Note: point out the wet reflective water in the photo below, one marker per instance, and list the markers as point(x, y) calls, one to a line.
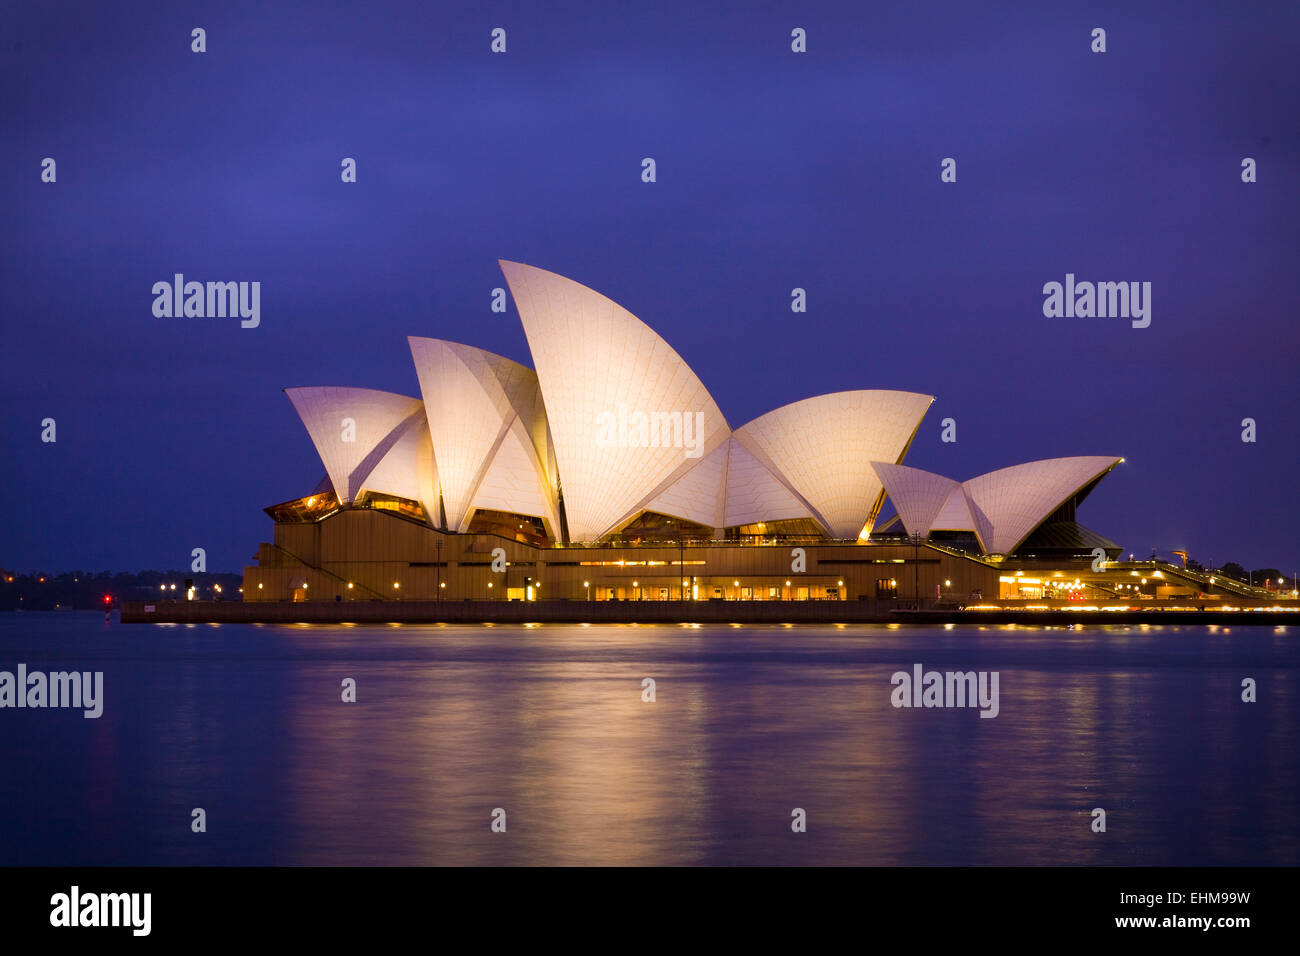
point(748, 724)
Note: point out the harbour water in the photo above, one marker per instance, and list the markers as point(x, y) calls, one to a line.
point(748, 725)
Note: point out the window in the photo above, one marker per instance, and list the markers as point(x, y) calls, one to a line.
point(886, 588)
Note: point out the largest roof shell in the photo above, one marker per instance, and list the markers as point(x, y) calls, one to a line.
point(597, 363)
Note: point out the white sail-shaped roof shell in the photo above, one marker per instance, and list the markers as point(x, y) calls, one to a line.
point(514, 481)
point(730, 487)
point(490, 433)
point(960, 513)
point(918, 496)
point(755, 494)
point(1018, 499)
point(352, 429)
point(488, 429)
point(823, 447)
point(697, 495)
point(596, 362)
point(407, 469)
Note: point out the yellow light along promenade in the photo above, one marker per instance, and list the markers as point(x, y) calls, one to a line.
point(700, 612)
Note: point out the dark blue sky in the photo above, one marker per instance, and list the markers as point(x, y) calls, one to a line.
point(775, 170)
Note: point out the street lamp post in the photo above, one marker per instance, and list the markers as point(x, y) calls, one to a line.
point(681, 562)
point(916, 568)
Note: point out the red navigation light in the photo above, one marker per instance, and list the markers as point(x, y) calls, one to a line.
point(108, 599)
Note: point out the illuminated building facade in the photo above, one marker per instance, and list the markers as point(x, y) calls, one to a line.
point(609, 472)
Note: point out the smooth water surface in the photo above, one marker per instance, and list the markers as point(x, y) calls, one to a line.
point(749, 723)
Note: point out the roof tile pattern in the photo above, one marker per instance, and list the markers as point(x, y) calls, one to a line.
point(597, 361)
point(1002, 507)
point(473, 400)
point(755, 494)
point(698, 494)
point(408, 469)
point(1018, 499)
point(352, 429)
point(490, 433)
point(824, 446)
point(919, 496)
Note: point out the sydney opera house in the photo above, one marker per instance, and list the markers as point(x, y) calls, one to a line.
point(608, 472)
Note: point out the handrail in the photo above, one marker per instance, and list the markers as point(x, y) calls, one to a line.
point(1203, 577)
point(337, 577)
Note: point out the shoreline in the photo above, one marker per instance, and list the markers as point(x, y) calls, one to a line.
point(665, 612)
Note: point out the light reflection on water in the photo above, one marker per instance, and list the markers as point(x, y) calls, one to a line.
point(749, 723)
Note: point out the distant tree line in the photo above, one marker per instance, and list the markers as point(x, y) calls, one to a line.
point(86, 590)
